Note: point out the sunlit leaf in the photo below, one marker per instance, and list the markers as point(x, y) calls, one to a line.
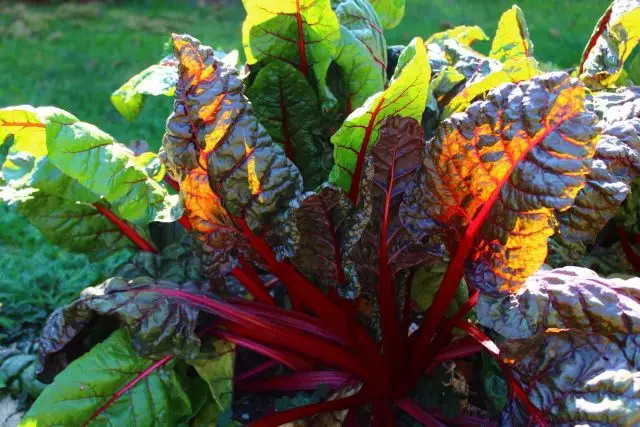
point(390, 12)
point(512, 41)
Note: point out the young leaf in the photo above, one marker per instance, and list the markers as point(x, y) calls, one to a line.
point(158, 324)
point(466, 35)
point(158, 79)
point(361, 53)
point(406, 96)
point(512, 41)
point(304, 33)
point(286, 106)
point(569, 336)
point(112, 385)
point(390, 12)
point(497, 173)
point(613, 39)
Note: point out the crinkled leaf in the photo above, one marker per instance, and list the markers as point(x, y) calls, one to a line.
point(513, 71)
point(390, 12)
point(324, 225)
point(286, 106)
point(158, 324)
point(246, 169)
point(572, 340)
point(615, 164)
point(77, 227)
point(386, 248)
point(158, 79)
point(496, 174)
point(613, 39)
point(217, 371)
point(304, 33)
point(109, 169)
point(90, 382)
point(362, 51)
point(512, 41)
point(406, 96)
point(623, 104)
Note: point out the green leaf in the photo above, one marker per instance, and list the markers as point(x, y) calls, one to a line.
point(304, 33)
point(614, 38)
point(77, 227)
point(362, 52)
point(217, 371)
point(286, 105)
point(512, 41)
point(18, 373)
point(81, 390)
point(466, 35)
point(406, 96)
point(425, 285)
point(158, 79)
point(390, 12)
point(109, 169)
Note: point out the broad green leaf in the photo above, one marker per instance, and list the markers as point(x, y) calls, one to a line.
point(362, 51)
point(614, 38)
point(18, 373)
point(24, 123)
point(286, 105)
point(390, 12)
point(158, 324)
point(582, 330)
point(463, 34)
point(111, 367)
point(490, 169)
point(217, 371)
point(512, 41)
point(406, 96)
point(304, 33)
point(158, 79)
point(425, 285)
point(77, 227)
point(109, 169)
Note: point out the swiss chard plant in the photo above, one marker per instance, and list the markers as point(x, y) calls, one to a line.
point(361, 235)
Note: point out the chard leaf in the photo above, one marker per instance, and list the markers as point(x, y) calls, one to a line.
point(158, 79)
point(217, 371)
point(18, 373)
point(112, 385)
point(248, 177)
point(463, 34)
point(493, 177)
point(76, 227)
point(571, 338)
point(304, 33)
point(390, 12)
point(159, 325)
point(386, 248)
point(512, 41)
point(286, 106)
point(614, 38)
point(406, 96)
point(324, 225)
point(109, 169)
point(362, 51)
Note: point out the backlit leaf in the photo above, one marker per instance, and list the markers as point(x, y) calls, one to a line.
point(406, 96)
point(512, 41)
point(496, 174)
point(390, 12)
point(304, 33)
point(613, 39)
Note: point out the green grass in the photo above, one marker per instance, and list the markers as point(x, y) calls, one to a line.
point(75, 56)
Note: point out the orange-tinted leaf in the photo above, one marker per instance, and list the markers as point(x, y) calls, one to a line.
point(497, 173)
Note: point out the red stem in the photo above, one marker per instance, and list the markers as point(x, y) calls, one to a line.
point(172, 183)
point(632, 256)
point(419, 414)
point(298, 381)
point(126, 229)
point(128, 386)
point(251, 281)
point(255, 371)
